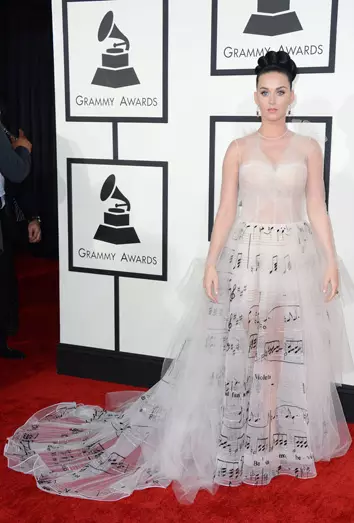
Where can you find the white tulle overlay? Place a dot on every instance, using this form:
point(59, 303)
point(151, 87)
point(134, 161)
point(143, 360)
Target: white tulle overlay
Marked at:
point(249, 392)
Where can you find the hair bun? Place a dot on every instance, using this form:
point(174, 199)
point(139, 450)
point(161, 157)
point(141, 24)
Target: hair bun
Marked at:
point(280, 60)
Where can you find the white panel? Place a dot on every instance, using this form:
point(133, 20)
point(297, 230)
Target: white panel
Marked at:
point(148, 309)
point(109, 51)
point(86, 301)
point(117, 218)
point(245, 33)
point(87, 310)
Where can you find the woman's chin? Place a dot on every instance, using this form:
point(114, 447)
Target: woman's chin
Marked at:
point(273, 117)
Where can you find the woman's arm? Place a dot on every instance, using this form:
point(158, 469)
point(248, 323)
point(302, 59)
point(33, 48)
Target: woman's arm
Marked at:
point(228, 203)
point(316, 202)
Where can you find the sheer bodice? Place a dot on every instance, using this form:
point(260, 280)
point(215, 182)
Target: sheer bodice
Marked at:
point(272, 178)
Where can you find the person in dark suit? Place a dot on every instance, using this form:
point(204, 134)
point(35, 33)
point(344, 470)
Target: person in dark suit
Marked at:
point(15, 165)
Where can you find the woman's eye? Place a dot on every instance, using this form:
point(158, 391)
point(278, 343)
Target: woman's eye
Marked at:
point(264, 93)
point(281, 92)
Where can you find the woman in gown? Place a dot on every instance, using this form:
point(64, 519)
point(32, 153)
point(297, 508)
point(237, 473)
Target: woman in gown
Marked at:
point(250, 392)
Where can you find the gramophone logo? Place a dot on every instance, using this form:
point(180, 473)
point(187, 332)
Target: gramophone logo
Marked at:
point(116, 229)
point(115, 70)
point(273, 18)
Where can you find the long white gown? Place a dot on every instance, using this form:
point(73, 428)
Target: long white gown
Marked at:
point(251, 390)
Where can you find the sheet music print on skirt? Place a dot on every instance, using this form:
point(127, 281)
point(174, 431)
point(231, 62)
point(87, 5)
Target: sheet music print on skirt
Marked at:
point(265, 420)
point(250, 394)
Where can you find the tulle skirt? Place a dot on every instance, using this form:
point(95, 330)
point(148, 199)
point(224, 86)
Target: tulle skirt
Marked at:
point(247, 393)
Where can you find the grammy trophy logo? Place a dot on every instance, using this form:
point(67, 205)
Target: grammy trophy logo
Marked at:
point(116, 228)
point(273, 18)
point(115, 70)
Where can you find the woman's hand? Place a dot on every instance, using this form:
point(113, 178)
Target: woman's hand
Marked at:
point(211, 282)
point(331, 282)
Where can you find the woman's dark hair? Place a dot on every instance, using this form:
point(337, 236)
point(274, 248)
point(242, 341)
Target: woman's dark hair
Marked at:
point(278, 61)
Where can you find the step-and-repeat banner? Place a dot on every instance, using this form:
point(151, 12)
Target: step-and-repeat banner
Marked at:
point(149, 93)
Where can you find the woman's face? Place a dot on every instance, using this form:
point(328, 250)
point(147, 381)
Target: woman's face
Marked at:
point(273, 96)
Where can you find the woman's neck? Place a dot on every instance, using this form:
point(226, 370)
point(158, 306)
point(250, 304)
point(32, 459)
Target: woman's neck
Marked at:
point(273, 129)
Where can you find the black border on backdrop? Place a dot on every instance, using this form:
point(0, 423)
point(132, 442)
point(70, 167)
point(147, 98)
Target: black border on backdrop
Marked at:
point(330, 68)
point(131, 163)
point(115, 148)
point(158, 119)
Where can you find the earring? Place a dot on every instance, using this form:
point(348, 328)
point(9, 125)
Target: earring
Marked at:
point(289, 112)
point(258, 113)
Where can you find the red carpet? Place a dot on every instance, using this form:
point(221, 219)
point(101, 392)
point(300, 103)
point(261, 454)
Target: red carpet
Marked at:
point(29, 385)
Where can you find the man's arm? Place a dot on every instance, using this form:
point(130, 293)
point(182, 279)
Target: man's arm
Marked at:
point(24, 195)
point(15, 164)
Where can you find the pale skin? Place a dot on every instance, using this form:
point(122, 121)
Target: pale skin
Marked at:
point(273, 97)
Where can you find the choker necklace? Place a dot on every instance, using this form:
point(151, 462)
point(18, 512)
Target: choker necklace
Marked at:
point(273, 137)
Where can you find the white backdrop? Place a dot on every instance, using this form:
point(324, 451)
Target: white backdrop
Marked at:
point(161, 158)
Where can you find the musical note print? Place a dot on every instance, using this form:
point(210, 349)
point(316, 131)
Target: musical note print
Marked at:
point(304, 471)
point(233, 346)
point(272, 348)
point(253, 316)
point(280, 233)
point(293, 347)
point(292, 315)
point(290, 318)
point(262, 445)
point(301, 442)
point(280, 440)
point(236, 290)
point(248, 442)
point(215, 310)
point(268, 230)
point(252, 347)
point(228, 471)
point(262, 233)
point(120, 426)
point(237, 260)
point(240, 384)
point(235, 320)
point(232, 389)
point(254, 418)
point(93, 451)
point(289, 350)
point(274, 264)
point(229, 446)
point(294, 351)
point(259, 478)
point(287, 414)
